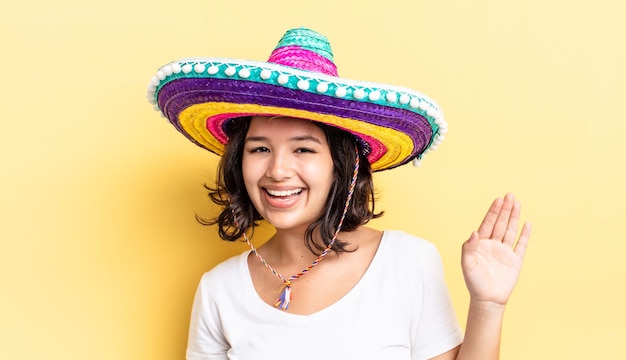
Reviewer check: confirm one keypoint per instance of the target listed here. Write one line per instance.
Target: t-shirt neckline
(261, 305)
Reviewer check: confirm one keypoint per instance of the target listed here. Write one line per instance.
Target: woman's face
(288, 170)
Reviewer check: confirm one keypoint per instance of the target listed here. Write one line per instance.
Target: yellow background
(100, 253)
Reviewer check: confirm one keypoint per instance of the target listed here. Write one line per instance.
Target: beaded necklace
(284, 290)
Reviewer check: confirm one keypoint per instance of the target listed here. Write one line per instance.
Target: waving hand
(492, 257)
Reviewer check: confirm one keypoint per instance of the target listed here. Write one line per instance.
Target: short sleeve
(437, 329)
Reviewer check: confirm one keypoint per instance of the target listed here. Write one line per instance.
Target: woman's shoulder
(407, 248)
(398, 239)
(225, 272)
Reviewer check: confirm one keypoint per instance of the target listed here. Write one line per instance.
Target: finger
(522, 243)
(486, 227)
(502, 222)
(511, 229)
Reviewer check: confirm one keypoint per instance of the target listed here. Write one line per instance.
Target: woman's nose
(279, 167)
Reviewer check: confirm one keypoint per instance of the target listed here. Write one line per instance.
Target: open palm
(491, 258)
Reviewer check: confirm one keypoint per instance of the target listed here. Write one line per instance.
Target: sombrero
(199, 96)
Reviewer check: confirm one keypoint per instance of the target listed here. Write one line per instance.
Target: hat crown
(304, 49)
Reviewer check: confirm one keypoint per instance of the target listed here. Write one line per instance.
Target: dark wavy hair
(230, 192)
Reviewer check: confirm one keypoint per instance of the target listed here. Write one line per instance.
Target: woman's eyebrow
(255, 138)
(306, 138)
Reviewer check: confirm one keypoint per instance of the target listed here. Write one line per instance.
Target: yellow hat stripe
(195, 119)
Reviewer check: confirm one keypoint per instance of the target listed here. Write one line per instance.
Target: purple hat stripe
(177, 95)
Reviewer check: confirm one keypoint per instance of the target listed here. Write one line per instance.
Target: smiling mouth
(283, 193)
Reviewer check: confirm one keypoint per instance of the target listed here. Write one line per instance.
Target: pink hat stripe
(303, 59)
(215, 126)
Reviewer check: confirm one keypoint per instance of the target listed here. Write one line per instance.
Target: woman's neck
(289, 247)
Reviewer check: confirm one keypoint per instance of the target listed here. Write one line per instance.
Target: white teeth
(284, 192)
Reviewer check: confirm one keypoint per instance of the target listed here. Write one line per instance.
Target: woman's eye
(304, 150)
(259, 149)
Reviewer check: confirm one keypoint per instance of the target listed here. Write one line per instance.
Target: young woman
(298, 147)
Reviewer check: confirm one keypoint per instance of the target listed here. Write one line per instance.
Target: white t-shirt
(400, 309)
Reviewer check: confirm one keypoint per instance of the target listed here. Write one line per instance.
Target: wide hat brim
(200, 95)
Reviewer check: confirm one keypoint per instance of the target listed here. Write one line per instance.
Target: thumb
(472, 242)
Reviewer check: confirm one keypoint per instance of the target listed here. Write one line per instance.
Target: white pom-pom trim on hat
(283, 79)
(322, 87)
(303, 85)
(359, 94)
